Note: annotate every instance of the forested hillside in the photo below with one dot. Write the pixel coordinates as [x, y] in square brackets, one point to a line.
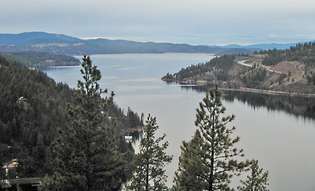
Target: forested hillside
[301, 52]
[34, 109]
[290, 70]
[204, 71]
[220, 71]
[41, 60]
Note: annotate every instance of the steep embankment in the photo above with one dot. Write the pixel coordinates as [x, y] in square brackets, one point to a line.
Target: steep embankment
[291, 71]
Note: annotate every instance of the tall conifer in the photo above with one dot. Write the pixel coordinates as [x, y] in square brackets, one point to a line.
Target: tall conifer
[217, 152]
[151, 160]
[86, 156]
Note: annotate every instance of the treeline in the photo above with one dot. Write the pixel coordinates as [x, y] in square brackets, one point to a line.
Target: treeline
[35, 112]
[303, 52]
[216, 68]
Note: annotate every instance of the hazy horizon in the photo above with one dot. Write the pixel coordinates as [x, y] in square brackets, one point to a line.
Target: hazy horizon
[209, 22]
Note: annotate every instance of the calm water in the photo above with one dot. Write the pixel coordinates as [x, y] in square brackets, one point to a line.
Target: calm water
[283, 143]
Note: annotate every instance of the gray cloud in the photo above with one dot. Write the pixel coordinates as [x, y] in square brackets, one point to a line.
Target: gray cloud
[191, 21]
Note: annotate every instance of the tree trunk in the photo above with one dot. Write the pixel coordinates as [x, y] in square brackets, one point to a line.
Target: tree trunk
[147, 178]
[211, 172]
[212, 155]
[147, 173]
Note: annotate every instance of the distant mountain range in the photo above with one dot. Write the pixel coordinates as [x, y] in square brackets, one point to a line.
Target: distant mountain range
[63, 44]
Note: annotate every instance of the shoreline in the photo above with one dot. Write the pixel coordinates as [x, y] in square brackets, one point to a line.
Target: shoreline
[268, 92]
[253, 90]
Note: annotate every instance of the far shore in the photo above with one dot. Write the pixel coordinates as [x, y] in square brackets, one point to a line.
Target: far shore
[267, 92]
[254, 90]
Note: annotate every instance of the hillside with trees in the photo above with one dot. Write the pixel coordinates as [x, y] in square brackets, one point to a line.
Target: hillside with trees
[303, 52]
[41, 60]
[215, 69]
[36, 112]
[291, 70]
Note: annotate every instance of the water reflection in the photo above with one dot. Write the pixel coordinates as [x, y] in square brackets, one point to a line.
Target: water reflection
[295, 105]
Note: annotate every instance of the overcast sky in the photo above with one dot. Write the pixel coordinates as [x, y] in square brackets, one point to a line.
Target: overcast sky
[188, 21]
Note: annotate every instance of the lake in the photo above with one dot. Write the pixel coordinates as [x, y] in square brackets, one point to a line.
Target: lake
[283, 143]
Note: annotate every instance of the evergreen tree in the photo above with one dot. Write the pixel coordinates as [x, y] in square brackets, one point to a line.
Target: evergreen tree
[150, 162]
[91, 75]
[257, 180]
[217, 154]
[86, 154]
[187, 177]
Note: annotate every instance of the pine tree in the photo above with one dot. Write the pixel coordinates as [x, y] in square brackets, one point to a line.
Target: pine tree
[91, 75]
[257, 180]
[150, 162]
[217, 155]
[187, 177]
[86, 155]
